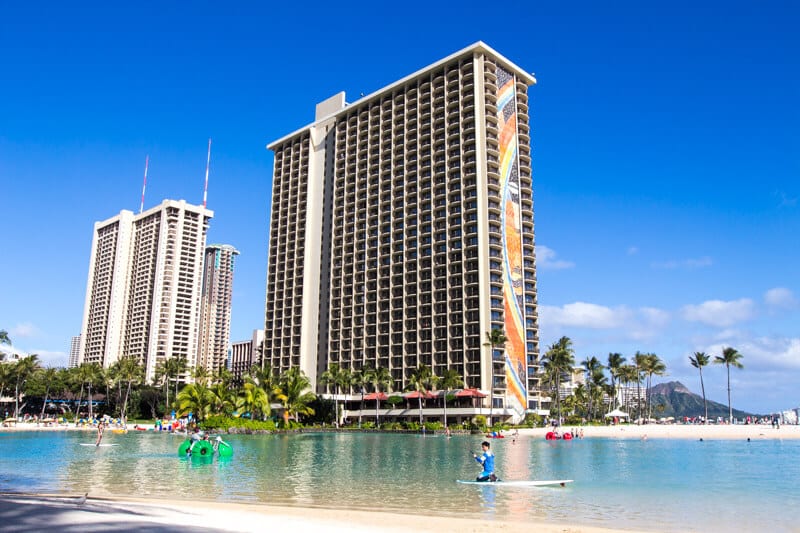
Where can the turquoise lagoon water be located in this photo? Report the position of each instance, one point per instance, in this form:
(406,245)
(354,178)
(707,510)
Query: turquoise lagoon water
(663,485)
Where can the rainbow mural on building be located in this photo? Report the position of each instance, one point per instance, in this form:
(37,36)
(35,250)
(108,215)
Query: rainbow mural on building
(513,278)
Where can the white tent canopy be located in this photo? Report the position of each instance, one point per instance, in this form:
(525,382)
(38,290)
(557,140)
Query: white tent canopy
(617,412)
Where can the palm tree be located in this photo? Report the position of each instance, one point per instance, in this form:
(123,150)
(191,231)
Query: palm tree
(421,380)
(640,361)
(171,369)
(4,339)
(627,374)
(730,358)
(558,359)
(201,375)
(49,377)
(194,398)
(264,377)
(222,400)
(129,371)
(253,399)
(450,379)
(23,369)
(333,376)
(358,381)
(295,394)
(92,374)
(699,360)
(592,366)
(615,361)
(653,366)
(378,377)
(494,339)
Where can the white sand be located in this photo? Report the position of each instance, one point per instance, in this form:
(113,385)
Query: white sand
(59,513)
(677,431)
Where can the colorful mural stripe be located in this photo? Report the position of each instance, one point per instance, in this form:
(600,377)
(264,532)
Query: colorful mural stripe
(514,315)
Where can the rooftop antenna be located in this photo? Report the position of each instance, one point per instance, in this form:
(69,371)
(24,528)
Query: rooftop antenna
(144,185)
(208,163)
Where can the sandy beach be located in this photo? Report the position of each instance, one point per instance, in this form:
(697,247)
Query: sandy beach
(622,431)
(678,431)
(41,512)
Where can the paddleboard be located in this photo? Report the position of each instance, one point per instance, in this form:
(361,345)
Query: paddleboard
(96,445)
(519,483)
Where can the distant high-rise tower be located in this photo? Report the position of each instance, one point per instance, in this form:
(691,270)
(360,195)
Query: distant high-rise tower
(144,287)
(215,325)
(245,354)
(402,232)
(74,351)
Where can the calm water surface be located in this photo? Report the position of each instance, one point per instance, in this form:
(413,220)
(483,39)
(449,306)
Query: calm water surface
(664,485)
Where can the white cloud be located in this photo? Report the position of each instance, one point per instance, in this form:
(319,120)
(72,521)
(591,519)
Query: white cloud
(584,315)
(49,358)
(23,330)
(689,264)
(762,353)
(546,259)
(633,250)
(781,298)
(719,313)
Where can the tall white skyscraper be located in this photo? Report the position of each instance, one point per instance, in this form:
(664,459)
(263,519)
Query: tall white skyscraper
(215,325)
(74,351)
(144,288)
(402,232)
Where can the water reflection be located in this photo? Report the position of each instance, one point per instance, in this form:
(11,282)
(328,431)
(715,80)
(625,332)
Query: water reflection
(619,483)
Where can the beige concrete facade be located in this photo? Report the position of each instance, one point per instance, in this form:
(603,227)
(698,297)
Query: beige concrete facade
(245,354)
(387,236)
(144,286)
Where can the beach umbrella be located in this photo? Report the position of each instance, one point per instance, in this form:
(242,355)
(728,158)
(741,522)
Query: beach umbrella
(618,413)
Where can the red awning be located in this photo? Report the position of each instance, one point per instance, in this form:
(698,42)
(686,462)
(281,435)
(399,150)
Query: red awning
(376,396)
(417,394)
(470,393)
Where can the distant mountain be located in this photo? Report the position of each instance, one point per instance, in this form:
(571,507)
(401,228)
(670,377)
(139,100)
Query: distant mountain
(674,399)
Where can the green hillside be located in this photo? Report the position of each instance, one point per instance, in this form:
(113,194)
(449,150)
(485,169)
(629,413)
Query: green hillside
(674,399)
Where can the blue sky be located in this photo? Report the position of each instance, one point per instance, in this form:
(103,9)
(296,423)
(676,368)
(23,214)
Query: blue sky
(665,146)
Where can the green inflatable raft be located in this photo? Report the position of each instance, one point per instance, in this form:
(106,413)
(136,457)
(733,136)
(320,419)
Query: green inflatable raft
(204,448)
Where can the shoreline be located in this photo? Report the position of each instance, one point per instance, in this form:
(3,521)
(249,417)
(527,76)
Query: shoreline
(622,431)
(56,511)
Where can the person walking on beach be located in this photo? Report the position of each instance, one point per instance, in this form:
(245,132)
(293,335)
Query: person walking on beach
(100,429)
(486,460)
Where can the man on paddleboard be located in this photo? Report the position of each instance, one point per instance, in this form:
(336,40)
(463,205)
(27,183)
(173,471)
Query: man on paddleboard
(486,460)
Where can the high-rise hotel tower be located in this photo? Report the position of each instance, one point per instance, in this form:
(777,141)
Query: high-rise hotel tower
(144,287)
(402,232)
(215,316)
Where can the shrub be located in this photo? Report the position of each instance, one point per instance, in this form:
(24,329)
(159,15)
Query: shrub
(224,423)
(433,426)
(532,420)
(478,422)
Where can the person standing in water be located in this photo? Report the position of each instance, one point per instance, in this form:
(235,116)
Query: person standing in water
(486,460)
(99,433)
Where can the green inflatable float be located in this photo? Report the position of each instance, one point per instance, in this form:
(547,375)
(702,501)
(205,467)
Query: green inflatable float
(204,448)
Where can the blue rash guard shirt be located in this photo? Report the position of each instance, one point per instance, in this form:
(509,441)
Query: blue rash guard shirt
(486,459)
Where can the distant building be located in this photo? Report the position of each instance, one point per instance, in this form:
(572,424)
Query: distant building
(74,351)
(215,318)
(402,232)
(245,354)
(144,286)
